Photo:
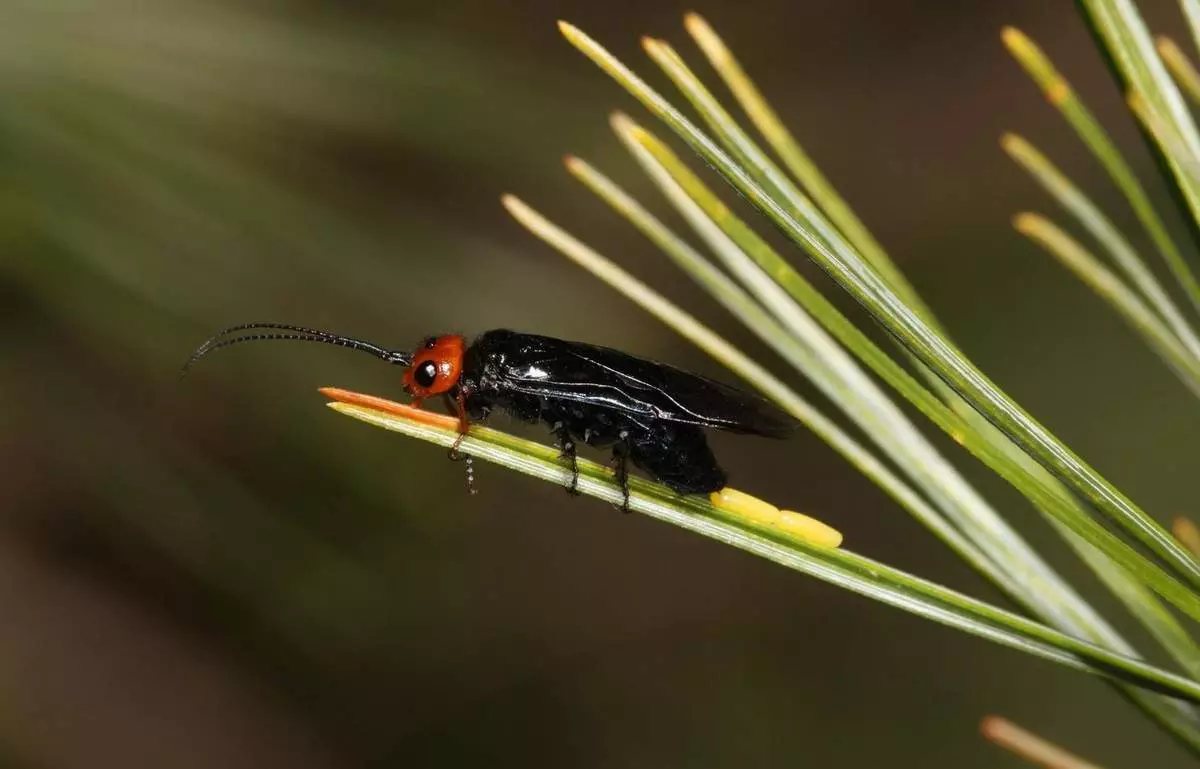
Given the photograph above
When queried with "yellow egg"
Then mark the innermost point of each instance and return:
(741, 503)
(786, 522)
(809, 529)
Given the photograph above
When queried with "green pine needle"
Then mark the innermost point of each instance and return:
(1064, 98)
(1180, 66)
(1103, 230)
(836, 566)
(1111, 288)
(806, 227)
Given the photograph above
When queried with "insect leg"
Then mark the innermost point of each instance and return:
(455, 455)
(621, 465)
(460, 406)
(457, 403)
(567, 446)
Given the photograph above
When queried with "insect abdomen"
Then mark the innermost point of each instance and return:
(497, 373)
(678, 456)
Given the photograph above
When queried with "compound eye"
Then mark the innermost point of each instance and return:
(425, 373)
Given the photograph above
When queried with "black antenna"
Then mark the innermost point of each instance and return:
(300, 334)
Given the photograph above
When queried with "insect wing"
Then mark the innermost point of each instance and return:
(604, 377)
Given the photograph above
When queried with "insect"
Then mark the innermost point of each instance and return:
(648, 413)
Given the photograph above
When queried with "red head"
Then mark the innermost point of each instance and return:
(436, 366)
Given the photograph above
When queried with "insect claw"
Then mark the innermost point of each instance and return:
(569, 453)
(621, 469)
(455, 454)
(458, 456)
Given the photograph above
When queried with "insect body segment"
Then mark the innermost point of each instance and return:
(649, 413)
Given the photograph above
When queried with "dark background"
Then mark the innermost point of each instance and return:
(220, 572)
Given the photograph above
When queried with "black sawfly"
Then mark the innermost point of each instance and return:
(650, 413)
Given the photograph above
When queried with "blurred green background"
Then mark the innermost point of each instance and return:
(220, 572)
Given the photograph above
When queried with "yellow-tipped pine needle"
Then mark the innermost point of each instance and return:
(1178, 154)
(795, 158)
(1038, 65)
(1191, 11)
(1180, 67)
(1059, 92)
(1103, 230)
(1185, 531)
(1100, 279)
(1029, 746)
